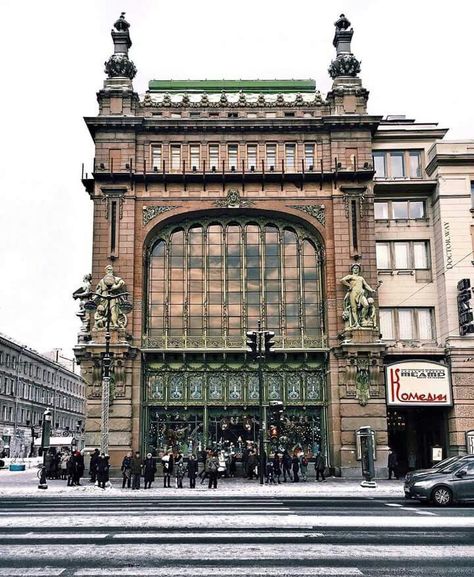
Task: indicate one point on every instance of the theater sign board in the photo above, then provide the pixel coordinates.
(418, 384)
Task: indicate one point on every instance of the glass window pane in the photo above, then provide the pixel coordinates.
(381, 210)
(401, 255)
(290, 154)
(379, 165)
(400, 209)
(271, 156)
(309, 156)
(420, 254)
(156, 157)
(417, 209)
(397, 165)
(175, 157)
(251, 156)
(425, 325)
(232, 155)
(405, 324)
(386, 324)
(383, 255)
(415, 164)
(195, 156)
(213, 156)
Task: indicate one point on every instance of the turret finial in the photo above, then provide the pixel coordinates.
(119, 65)
(345, 63)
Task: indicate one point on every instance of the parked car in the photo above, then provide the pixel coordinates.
(437, 466)
(443, 486)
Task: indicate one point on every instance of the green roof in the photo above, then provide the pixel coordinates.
(212, 86)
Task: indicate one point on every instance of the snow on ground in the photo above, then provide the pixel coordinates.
(25, 483)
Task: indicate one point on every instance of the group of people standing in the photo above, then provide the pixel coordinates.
(292, 468)
(133, 467)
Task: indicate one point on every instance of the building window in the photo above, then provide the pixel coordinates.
(156, 157)
(309, 156)
(251, 156)
(271, 156)
(403, 255)
(175, 115)
(407, 324)
(472, 206)
(270, 115)
(175, 157)
(219, 280)
(399, 209)
(232, 155)
(232, 115)
(290, 156)
(214, 156)
(415, 163)
(195, 156)
(397, 164)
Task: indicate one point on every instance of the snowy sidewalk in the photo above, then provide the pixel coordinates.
(25, 483)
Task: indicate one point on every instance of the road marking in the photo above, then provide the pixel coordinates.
(427, 513)
(39, 536)
(209, 535)
(393, 505)
(213, 570)
(31, 572)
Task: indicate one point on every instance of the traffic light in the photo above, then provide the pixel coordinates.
(252, 345)
(276, 412)
(269, 342)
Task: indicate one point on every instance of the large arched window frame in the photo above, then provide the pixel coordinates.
(210, 281)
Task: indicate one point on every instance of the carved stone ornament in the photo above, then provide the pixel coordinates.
(118, 65)
(344, 65)
(362, 381)
(150, 212)
(109, 286)
(316, 211)
(359, 307)
(121, 25)
(233, 200)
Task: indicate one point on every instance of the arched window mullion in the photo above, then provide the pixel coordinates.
(205, 295)
(282, 284)
(299, 249)
(168, 248)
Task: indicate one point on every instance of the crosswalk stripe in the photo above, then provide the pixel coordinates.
(31, 571)
(216, 571)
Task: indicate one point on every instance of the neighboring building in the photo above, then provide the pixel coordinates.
(221, 203)
(29, 384)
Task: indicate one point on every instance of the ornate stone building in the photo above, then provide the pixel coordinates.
(221, 203)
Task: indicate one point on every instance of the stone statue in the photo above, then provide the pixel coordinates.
(359, 307)
(342, 23)
(110, 285)
(84, 293)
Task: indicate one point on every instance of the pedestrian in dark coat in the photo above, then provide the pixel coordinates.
(251, 465)
(192, 471)
(79, 467)
(126, 469)
(179, 470)
(276, 467)
(149, 470)
(93, 465)
(212, 467)
(286, 466)
(103, 470)
(136, 470)
(167, 462)
(392, 464)
(71, 470)
(320, 466)
(296, 467)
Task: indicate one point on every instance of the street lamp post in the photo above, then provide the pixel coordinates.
(45, 436)
(126, 307)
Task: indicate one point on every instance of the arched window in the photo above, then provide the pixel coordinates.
(213, 282)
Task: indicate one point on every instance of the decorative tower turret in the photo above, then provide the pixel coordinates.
(118, 97)
(119, 65)
(347, 94)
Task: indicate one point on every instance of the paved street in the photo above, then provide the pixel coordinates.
(211, 533)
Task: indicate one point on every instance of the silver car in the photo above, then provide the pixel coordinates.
(453, 483)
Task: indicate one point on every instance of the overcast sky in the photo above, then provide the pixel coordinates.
(416, 60)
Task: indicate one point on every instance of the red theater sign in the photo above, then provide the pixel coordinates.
(418, 384)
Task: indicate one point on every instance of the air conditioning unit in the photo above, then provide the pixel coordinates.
(272, 168)
(194, 169)
(311, 168)
(252, 168)
(232, 168)
(213, 169)
(155, 169)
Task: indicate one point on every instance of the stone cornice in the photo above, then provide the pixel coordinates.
(145, 124)
(449, 160)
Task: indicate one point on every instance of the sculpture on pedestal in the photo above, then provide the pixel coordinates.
(359, 306)
(83, 294)
(110, 285)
